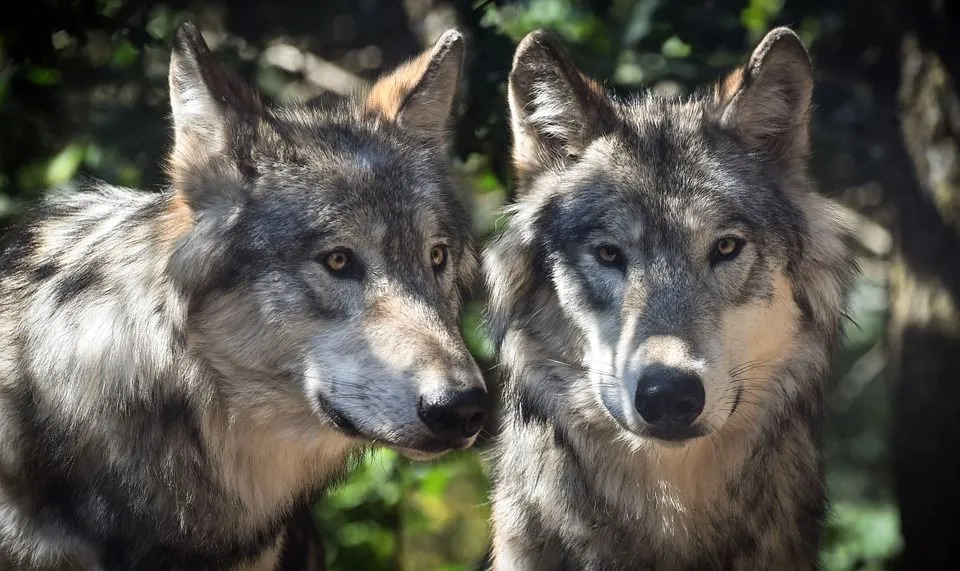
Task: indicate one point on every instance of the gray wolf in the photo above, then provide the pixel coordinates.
(179, 371)
(664, 299)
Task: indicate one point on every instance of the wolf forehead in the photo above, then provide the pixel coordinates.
(329, 170)
(670, 167)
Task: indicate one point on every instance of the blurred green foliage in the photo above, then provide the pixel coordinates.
(83, 94)
(392, 513)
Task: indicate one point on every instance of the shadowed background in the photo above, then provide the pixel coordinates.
(83, 94)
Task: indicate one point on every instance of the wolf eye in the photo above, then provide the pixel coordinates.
(726, 248)
(610, 255)
(438, 257)
(338, 261)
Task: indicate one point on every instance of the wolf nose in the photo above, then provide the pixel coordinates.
(669, 397)
(454, 415)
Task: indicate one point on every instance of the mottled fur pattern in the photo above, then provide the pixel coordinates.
(581, 480)
(179, 371)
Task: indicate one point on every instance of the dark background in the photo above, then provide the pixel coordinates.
(83, 94)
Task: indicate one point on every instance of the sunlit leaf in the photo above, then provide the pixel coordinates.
(62, 40)
(110, 7)
(7, 205)
(860, 536)
(641, 21)
(674, 47)
(758, 14)
(436, 481)
(161, 24)
(64, 165)
(566, 19)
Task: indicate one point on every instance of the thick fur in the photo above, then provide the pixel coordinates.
(180, 371)
(581, 481)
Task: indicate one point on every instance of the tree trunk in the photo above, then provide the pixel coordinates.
(925, 296)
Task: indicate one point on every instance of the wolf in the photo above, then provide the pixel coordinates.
(181, 371)
(664, 299)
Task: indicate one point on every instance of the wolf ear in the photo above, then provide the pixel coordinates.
(210, 108)
(419, 95)
(555, 110)
(768, 102)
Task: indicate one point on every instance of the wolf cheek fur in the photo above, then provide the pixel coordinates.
(179, 371)
(665, 298)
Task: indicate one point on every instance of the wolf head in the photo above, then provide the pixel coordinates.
(680, 239)
(322, 251)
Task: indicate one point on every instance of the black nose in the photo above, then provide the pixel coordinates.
(454, 415)
(669, 397)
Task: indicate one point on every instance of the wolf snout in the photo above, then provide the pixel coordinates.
(669, 399)
(454, 416)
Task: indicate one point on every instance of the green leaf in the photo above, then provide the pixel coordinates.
(124, 55)
(110, 7)
(62, 40)
(436, 481)
(64, 165)
(860, 535)
(675, 48)
(161, 24)
(475, 334)
(568, 20)
(43, 75)
(7, 206)
(758, 14)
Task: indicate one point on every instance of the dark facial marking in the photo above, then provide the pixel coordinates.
(338, 418)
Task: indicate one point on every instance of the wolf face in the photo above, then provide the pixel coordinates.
(677, 236)
(328, 248)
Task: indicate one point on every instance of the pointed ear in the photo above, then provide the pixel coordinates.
(420, 94)
(211, 107)
(768, 102)
(555, 110)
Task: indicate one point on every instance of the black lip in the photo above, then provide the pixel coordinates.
(346, 426)
(339, 419)
(668, 434)
(676, 433)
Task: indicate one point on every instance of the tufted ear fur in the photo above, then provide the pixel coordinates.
(213, 111)
(215, 119)
(555, 110)
(420, 94)
(768, 101)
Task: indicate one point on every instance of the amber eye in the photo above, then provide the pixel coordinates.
(610, 255)
(727, 248)
(438, 256)
(337, 261)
